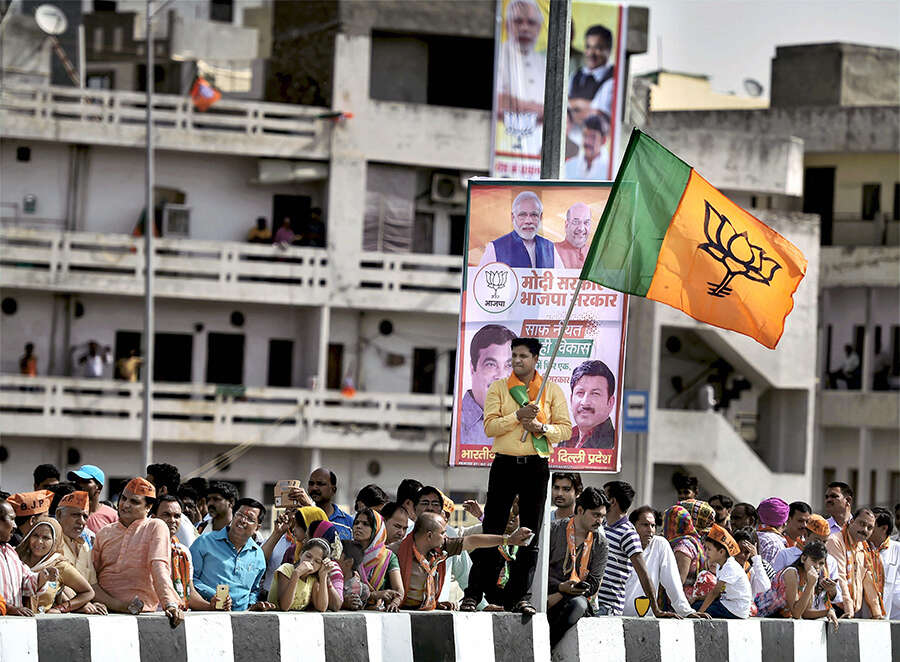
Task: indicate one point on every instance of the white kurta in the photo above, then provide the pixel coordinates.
(661, 569)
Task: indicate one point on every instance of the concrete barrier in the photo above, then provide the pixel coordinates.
(753, 640)
(434, 637)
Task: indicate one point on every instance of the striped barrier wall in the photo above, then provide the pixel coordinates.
(434, 637)
(752, 640)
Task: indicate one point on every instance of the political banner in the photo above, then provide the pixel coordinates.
(595, 88)
(527, 242)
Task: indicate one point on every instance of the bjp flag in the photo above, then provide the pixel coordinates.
(203, 94)
(666, 234)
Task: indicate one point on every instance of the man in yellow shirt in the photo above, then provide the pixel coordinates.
(520, 468)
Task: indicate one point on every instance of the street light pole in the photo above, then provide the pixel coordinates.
(149, 224)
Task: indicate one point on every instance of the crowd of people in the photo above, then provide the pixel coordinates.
(171, 546)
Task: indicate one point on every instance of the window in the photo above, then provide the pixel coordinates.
(221, 10)
(104, 6)
(853, 480)
(894, 495)
(173, 357)
(895, 350)
(281, 362)
(457, 234)
(873, 482)
(105, 80)
(871, 201)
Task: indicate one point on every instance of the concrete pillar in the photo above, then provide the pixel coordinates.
(864, 461)
(324, 334)
(347, 176)
(868, 355)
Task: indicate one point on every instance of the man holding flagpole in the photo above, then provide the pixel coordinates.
(525, 421)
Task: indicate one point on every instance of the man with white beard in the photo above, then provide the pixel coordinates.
(523, 247)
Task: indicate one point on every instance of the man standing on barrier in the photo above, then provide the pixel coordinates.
(520, 468)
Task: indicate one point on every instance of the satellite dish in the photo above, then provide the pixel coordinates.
(751, 87)
(50, 19)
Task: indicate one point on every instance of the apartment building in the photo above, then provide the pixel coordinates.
(838, 107)
(254, 341)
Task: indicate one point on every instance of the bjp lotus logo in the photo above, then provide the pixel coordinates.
(734, 250)
(496, 280)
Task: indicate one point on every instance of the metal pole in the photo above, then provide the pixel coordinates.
(552, 153)
(149, 224)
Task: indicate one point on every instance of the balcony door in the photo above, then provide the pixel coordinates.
(424, 366)
(225, 358)
(172, 357)
(818, 198)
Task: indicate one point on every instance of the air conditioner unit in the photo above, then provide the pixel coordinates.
(447, 189)
(176, 221)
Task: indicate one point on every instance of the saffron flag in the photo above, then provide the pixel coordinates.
(666, 234)
(204, 94)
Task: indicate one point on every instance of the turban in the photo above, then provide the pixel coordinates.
(31, 503)
(724, 538)
(773, 511)
(141, 487)
(819, 526)
(77, 500)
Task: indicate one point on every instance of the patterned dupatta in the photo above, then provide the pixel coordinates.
(181, 575)
(376, 555)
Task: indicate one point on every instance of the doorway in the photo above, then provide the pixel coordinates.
(818, 198)
(225, 358)
(281, 362)
(424, 366)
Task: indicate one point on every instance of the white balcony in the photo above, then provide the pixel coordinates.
(675, 438)
(183, 268)
(840, 408)
(112, 117)
(860, 266)
(226, 271)
(106, 409)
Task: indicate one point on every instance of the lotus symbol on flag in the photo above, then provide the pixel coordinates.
(735, 252)
(496, 280)
(519, 125)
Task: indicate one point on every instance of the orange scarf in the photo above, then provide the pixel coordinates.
(876, 567)
(434, 572)
(541, 445)
(871, 565)
(587, 547)
(181, 575)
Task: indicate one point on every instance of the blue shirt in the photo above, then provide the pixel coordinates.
(342, 522)
(217, 561)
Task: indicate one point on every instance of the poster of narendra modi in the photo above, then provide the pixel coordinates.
(527, 242)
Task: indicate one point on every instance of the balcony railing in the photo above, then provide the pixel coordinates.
(106, 409)
(116, 117)
(183, 268)
(874, 409)
(48, 259)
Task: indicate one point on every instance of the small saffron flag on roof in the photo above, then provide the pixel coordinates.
(203, 94)
(666, 234)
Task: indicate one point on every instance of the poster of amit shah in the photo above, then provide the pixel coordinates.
(527, 242)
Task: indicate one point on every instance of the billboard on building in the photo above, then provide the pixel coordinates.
(527, 242)
(595, 88)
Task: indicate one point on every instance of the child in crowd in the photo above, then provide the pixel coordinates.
(731, 597)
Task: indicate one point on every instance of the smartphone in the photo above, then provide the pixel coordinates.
(582, 586)
(222, 592)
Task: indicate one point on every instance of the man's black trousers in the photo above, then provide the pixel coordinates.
(526, 477)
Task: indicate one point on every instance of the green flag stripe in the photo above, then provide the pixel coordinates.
(646, 193)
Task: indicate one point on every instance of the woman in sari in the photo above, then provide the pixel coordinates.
(381, 568)
(304, 585)
(678, 529)
(42, 548)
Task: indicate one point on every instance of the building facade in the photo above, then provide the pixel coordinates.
(254, 341)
